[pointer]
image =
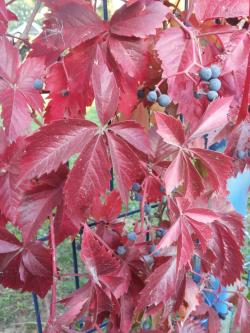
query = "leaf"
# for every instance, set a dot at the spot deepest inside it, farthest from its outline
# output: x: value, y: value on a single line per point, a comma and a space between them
x: 105, y: 88
x: 54, y: 144
x: 17, y: 93
x: 27, y: 268
x: 170, y: 129
x: 160, y: 286
x: 90, y: 175
x: 138, y: 19
x: 125, y: 163
x: 224, y: 9
x: 241, y: 318
x: 214, y: 118
x: 38, y: 201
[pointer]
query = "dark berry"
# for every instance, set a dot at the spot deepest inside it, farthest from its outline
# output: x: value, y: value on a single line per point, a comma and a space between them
x: 214, y: 84
x: 241, y: 154
x: 215, y: 71
x: 132, y: 236
x: 152, y: 96
x: 147, y: 209
x: 38, y: 84
x: 65, y: 92
x: 140, y: 93
x: 138, y: 197
x: 121, y: 250
x: 146, y: 325
x: 136, y: 187
x: 205, y: 74
x: 212, y: 95
x: 164, y: 100
x: 160, y: 232
x: 197, y: 95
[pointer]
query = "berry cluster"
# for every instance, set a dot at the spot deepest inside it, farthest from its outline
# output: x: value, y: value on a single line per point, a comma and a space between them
x: 163, y: 99
x: 210, y: 76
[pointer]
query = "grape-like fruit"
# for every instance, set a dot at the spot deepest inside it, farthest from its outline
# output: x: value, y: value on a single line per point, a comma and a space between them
x: 212, y: 95
x: 140, y: 93
x: 121, y: 250
x: 205, y: 73
x: 38, y: 84
x: 160, y: 232
x: 241, y: 154
x: 146, y: 325
x: 147, y: 209
x: 138, y: 197
x: 152, y: 96
x: 136, y: 187
x: 132, y: 236
x: 65, y: 92
x: 215, y: 71
x: 214, y: 84
x: 164, y: 100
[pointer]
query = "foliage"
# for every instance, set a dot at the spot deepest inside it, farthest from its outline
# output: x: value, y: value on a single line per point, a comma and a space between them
x: 167, y: 84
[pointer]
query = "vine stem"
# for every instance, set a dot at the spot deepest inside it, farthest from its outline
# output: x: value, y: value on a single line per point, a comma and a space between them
x: 55, y: 275
x: 30, y: 21
x: 209, y: 33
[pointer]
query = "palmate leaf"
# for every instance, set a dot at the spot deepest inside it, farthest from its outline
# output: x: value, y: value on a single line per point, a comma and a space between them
x: 28, y: 268
x: 17, y: 94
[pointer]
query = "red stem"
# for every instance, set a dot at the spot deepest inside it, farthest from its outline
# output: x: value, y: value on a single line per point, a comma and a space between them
x: 203, y: 34
x: 54, y: 267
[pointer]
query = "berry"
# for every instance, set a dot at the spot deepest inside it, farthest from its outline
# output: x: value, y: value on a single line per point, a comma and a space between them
x: 160, y: 232
x: 248, y: 153
x: 140, y: 93
x: 241, y: 154
x: 121, y: 250
x: 164, y: 100
x: 212, y: 95
x: 138, y: 197
x: 65, y: 92
x: 215, y: 71
x: 214, y: 84
x: 152, y: 249
x: 136, y: 187
x: 197, y: 95
x: 152, y: 96
x: 146, y: 325
x: 205, y: 74
x: 147, y: 209
x: 38, y: 84
x: 148, y: 259
x: 132, y: 236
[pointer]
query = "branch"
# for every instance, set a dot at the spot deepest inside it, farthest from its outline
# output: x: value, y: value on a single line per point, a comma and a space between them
x: 30, y: 21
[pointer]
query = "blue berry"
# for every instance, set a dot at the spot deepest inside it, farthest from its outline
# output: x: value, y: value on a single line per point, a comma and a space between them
x: 65, y: 92
x: 140, y: 93
x: 212, y: 95
x: 160, y: 232
x: 38, y: 84
x: 214, y: 84
x: 241, y: 154
x: 146, y: 325
x: 205, y: 74
x: 215, y: 71
x: 152, y: 96
x: 132, y: 236
x: 121, y: 250
x: 147, y: 209
x: 148, y: 259
x: 164, y: 100
x: 138, y: 197
x: 136, y: 187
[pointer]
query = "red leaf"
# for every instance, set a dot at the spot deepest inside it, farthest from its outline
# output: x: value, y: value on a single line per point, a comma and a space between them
x: 241, y: 319
x: 170, y: 129
x: 138, y: 19
x: 105, y: 89
x: 38, y: 201
x: 220, y: 8
x: 90, y: 175
x: 27, y: 268
x: 17, y: 93
x: 54, y: 144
